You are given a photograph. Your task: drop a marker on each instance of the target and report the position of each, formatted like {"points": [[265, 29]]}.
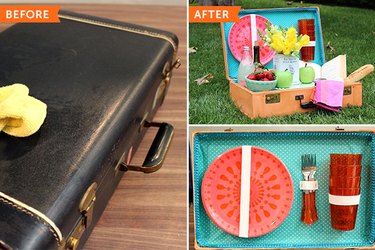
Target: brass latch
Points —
{"points": [[272, 98], [86, 207], [338, 128], [348, 90], [166, 78], [168, 70], [176, 64]]}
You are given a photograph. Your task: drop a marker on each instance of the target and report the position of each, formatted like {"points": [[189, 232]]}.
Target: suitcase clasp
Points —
{"points": [[166, 79], [348, 90], [86, 207], [168, 68], [176, 64], [272, 98]]}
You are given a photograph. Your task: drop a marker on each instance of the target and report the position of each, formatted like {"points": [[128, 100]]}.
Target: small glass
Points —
{"points": [[344, 191], [345, 170], [346, 159], [343, 217], [307, 27], [345, 182]]}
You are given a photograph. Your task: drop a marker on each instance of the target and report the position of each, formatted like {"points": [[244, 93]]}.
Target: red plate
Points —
{"points": [[271, 191], [240, 36]]}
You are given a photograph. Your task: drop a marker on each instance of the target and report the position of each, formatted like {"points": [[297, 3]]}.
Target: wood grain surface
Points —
{"points": [[191, 227]]}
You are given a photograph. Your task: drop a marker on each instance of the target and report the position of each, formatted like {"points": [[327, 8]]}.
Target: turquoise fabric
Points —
{"points": [[285, 17], [289, 146]]}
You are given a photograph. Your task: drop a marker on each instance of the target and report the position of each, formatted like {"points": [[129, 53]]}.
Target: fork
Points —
{"points": [[309, 213], [306, 168]]}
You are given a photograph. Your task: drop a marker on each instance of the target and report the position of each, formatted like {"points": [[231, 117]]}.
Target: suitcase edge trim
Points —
{"points": [[22, 207], [120, 27]]}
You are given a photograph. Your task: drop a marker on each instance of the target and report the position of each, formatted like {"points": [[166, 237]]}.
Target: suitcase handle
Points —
{"points": [[304, 105], [158, 150], [307, 105]]}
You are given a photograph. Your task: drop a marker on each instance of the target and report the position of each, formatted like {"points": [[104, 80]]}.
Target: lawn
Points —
{"points": [[351, 32]]}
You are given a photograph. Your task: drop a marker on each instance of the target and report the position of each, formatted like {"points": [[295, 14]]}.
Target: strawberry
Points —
{"points": [[266, 79], [251, 77], [259, 76], [269, 76]]}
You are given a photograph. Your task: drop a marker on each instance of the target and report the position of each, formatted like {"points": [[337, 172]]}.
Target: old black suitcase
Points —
{"points": [[103, 81]]}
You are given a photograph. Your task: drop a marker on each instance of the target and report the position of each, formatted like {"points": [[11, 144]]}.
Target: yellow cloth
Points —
{"points": [[20, 114]]}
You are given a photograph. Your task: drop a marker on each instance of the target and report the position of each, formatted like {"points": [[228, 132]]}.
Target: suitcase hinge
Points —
{"points": [[86, 207], [166, 79], [168, 70], [176, 64]]}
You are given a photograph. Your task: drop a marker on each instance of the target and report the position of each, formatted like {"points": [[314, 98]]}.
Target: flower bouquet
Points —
{"points": [[284, 41], [287, 44]]}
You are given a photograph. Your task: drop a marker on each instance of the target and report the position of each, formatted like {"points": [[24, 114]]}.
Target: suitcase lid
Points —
{"points": [[94, 75], [285, 17], [288, 146]]}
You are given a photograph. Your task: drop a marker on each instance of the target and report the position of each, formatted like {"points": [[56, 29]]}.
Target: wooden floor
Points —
{"points": [[148, 211], [191, 227]]}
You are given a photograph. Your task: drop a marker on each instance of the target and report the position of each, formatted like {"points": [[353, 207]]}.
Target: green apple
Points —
{"points": [[284, 79], [306, 74]]}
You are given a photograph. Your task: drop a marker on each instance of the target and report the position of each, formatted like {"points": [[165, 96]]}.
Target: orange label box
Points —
{"points": [[213, 14], [29, 14]]}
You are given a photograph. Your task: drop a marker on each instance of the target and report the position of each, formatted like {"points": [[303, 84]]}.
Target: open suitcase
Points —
{"points": [[288, 146], [280, 101], [103, 82]]}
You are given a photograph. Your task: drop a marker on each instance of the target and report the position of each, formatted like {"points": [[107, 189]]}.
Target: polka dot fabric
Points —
{"points": [[288, 147]]}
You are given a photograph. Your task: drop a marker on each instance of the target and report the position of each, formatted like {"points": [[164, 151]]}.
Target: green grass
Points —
{"points": [[351, 32]]}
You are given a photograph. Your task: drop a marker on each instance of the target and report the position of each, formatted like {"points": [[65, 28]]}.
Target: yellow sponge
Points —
{"points": [[20, 114]]}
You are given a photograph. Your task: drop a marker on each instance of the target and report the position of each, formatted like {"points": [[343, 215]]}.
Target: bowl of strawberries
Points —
{"points": [[261, 80]]}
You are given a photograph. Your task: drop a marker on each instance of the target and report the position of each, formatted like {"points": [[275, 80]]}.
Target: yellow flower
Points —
{"points": [[291, 32], [291, 39], [305, 39], [284, 41], [278, 34], [297, 47], [287, 50], [290, 44], [277, 43]]}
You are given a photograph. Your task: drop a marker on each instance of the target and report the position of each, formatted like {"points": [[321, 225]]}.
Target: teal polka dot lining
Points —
{"points": [[289, 146]]}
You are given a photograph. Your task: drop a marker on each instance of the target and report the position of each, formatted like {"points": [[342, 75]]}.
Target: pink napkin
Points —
{"points": [[329, 94]]}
